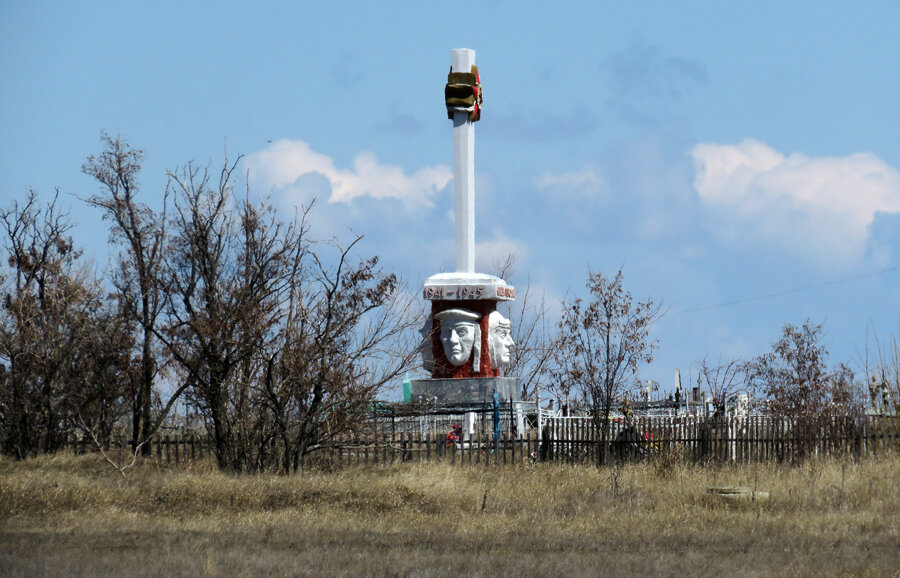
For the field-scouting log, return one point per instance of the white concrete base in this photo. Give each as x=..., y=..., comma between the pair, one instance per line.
x=465, y=391
x=467, y=286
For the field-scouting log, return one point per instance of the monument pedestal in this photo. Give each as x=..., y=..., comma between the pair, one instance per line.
x=467, y=342
x=471, y=391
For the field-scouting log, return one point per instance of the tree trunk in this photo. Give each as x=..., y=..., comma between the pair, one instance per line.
x=145, y=386
x=221, y=435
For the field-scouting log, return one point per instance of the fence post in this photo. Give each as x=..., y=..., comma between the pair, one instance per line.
x=760, y=444
x=519, y=439
x=893, y=430
x=775, y=429
x=865, y=434
x=783, y=440
x=504, y=442
x=697, y=442
x=573, y=441
x=582, y=438
x=562, y=443
x=477, y=447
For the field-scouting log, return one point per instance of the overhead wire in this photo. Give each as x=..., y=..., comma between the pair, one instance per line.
x=787, y=292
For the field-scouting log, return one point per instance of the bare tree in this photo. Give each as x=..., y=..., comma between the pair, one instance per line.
x=98, y=388
x=799, y=384
x=883, y=373
x=720, y=380
x=532, y=332
x=282, y=345
x=225, y=284
x=53, y=325
x=348, y=335
x=602, y=344
x=281, y=348
x=141, y=232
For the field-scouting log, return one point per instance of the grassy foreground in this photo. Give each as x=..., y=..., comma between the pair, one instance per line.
x=74, y=516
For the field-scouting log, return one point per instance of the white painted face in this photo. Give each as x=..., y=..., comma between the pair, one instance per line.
x=501, y=340
x=458, y=337
x=503, y=344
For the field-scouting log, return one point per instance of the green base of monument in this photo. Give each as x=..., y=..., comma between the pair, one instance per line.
x=465, y=391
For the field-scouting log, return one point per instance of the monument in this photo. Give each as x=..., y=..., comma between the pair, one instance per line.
x=466, y=341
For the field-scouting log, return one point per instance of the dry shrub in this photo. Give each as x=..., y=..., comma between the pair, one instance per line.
x=668, y=461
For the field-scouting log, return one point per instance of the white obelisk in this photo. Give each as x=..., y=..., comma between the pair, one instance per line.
x=465, y=283
x=464, y=173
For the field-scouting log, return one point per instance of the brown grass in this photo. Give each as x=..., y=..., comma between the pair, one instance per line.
x=71, y=515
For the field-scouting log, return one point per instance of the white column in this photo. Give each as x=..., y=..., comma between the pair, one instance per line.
x=464, y=173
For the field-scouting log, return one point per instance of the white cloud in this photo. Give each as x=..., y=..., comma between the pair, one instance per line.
x=285, y=162
x=817, y=207
x=584, y=182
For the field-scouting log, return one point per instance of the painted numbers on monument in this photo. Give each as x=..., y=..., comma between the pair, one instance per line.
x=462, y=292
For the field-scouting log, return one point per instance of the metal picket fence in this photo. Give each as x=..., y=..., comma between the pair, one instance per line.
x=575, y=440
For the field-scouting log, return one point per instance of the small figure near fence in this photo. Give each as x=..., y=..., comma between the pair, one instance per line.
x=454, y=436
x=627, y=446
x=546, y=449
x=626, y=408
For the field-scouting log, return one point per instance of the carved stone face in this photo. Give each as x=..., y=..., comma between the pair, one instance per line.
x=500, y=339
x=458, y=337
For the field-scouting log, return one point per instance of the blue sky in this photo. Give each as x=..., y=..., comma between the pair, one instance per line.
x=722, y=152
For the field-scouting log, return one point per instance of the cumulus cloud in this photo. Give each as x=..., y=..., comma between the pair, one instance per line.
x=584, y=182
x=817, y=207
x=289, y=164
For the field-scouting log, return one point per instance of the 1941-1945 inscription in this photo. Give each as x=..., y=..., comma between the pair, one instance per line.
x=468, y=292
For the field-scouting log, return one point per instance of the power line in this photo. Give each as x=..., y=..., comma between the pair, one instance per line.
x=788, y=292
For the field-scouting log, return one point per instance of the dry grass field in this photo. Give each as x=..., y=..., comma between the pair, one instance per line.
x=75, y=516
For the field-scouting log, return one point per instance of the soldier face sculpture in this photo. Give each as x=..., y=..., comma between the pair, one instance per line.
x=500, y=339
x=460, y=334
x=458, y=339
